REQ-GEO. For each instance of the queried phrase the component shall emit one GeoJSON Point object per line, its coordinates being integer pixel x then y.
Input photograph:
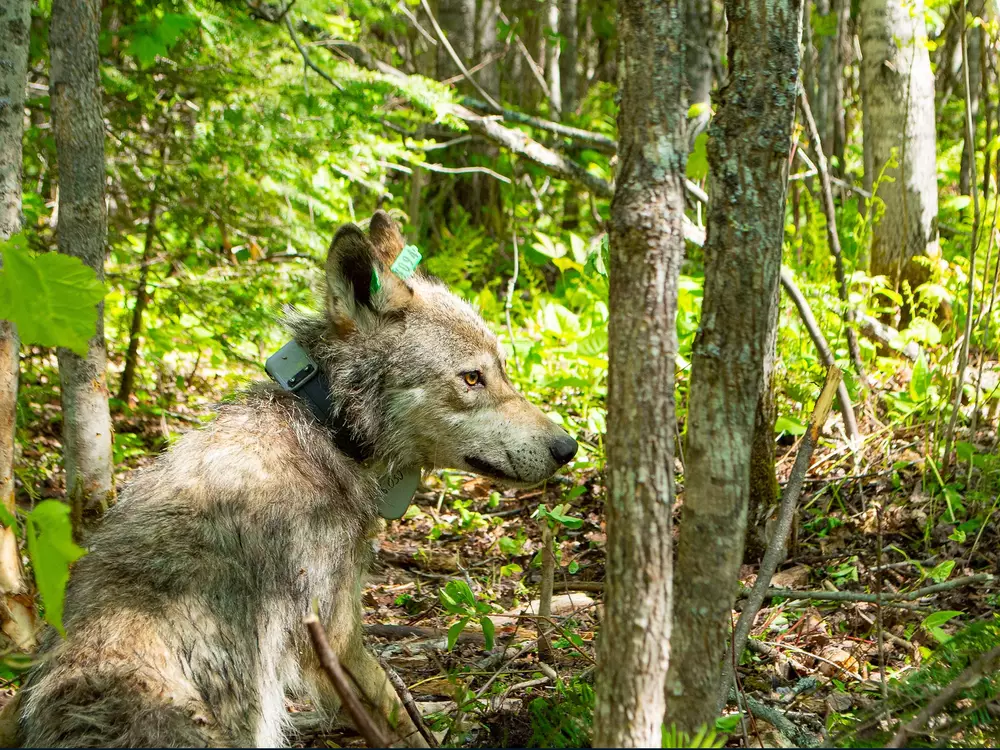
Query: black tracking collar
{"type": "Point", "coordinates": [296, 372]}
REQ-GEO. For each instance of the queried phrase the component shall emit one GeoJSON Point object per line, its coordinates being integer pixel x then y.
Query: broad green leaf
{"type": "Point", "coordinates": [940, 572]}
{"type": "Point", "coordinates": [789, 425]}
{"type": "Point", "coordinates": [578, 247]}
{"type": "Point", "coordinates": [574, 567]}
{"type": "Point", "coordinates": [488, 631]}
{"type": "Point", "coordinates": [52, 550]}
{"type": "Point", "coordinates": [456, 630]}
{"type": "Point", "coordinates": [920, 379]}
{"type": "Point", "coordinates": [937, 619]}
{"type": "Point", "coordinates": [50, 297]}
{"type": "Point", "coordinates": [7, 518]}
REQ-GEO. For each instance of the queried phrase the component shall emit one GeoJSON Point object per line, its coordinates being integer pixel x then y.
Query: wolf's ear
{"type": "Point", "coordinates": [359, 285]}
{"type": "Point", "coordinates": [385, 237]}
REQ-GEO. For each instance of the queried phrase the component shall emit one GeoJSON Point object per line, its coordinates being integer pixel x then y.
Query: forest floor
{"type": "Point", "coordinates": [461, 527]}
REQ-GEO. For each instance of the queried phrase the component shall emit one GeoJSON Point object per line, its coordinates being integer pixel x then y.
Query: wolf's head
{"type": "Point", "coordinates": [418, 375]}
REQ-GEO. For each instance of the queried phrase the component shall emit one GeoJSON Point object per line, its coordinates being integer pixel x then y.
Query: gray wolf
{"type": "Point", "coordinates": [184, 621]}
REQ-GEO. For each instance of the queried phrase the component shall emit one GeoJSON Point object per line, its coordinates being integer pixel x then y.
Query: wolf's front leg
{"type": "Point", "coordinates": [379, 695]}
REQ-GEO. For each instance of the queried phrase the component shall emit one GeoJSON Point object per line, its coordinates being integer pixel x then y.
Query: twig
{"type": "Point", "coordinates": [963, 355]}
{"type": "Point", "coordinates": [825, 355]}
{"type": "Point", "coordinates": [338, 677]}
{"type": "Point", "coordinates": [799, 152]}
{"type": "Point", "coordinates": [903, 596]}
{"type": "Point", "coordinates": [974, 672]}
{"type": "Point", "coordinates": [533, 66]}
{"type": "Point", "coordinates": [834, 238]}
{"type": "Point", "coordinates": [776, 547]}
{"type": "Point", "coordinates": [305, 55]}
{"type": "Point", "coordinates": [454, 56]}
{"type": "Point", "coordinates": [409, 704]}
{"type": "Point", "coordinates": [450, 170]}
{"type": "Point", "coordinates": [401, 6]}
{"type": "Point", "coordinates": [879, 626]}
{"type": "Point", "coordinates": [840, 667]}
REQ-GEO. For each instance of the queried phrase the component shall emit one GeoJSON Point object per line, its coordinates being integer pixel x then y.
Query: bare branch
{"type": "Point", "coordinates": [825, 355]}
{"type": "Point", "coordinates": [776, 548]}
{"type": "Point", "coordinates": [595, 141]}
{"type": "Point", "coordinates": [905, 596]}
{"type": "Point", "coordinates": [834, 237]}
{"type": "Point", "coordinates": [305, 55]}
{"type": "Point", "coordinates": [341, 683]}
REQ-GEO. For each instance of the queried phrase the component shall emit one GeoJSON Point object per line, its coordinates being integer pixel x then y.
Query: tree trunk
{"type": "Point", "coordinates": [17, 615]}
{"type": "Point", "coordinates": [749, 142]}
{"type": "Point", "coordinates": [763, 482]}
{"type": "Point", "coordinates": [79, 135]}
{"type": "Point", "coordinates": [974, 44]}
{"type": "Point", "coordinates": [698, 61]}
{"type": "Point", "coordinates": [141, 301]}
{"type": "Point", "coordinates": [487, 12]}
{"type": "Point", "coordinates": [458, 21]}
{"type": "Point", "coordinates": [569, 33]}
{"type": "Point", "coordinates": [647, 247]}
{"type": "Point", "coordinates": [899, 109]}
{"type": "Point", "coordinates": [552, 57]}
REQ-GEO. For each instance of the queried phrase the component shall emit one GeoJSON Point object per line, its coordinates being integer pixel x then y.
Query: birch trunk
{"type": "Point", "coordinates": [17, 615]}
{"type": "Point", "coordinates": [569, 33]}
{"type": "Point", "coordinates": [78, 127]}
{"type": "Point", "coordinates": [698, 61]}
{"type": "Point", "coordinates": [899, 112]}
{"type": "Point", "coordinates": [647, 247]}
{"type": "Point", "coordinates": [749, 142]}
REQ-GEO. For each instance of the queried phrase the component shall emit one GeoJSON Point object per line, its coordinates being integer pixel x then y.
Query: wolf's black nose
{"type": "Point", "coordinates": [563, 449]}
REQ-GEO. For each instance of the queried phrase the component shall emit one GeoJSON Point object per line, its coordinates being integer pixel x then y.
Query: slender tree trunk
{"type": "Point", "coordinates": [82, 231]}
{"type": "Point", "coordinates": [647, 247]}
{"type": "Point", "coordinates": [899, 108]}
{"type": "Point", "coordinates": [17, 615]}
{"type": "Point", "coordinates": [487, 13]}
{"type": "Point", "coordinates": [698, 61]}
{"type": "Point", "coordinates": [749, 142]}
{"type": "Point", "coordinates": [552, 57]}
{"type": "Point", "coordinates": [569, 32]}
{"type": "Point", "coordinates": [974, 42]}
{"type": "Point", "coordinates": [458, 21]}
{"type": "Point", "coordinates": [141, 301]}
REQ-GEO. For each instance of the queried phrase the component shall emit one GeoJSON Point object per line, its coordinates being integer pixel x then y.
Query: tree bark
{"type": "Point", "coordinates": [552, 57]}
{"type": "Point", "coordinates": [78, 126]}
{"type": "Point", "coordinates": [569, 32]}
{"type": "Point", "coordinates": [899, 112]}
{"type": "Point", "coordinates": [647, 247]}
{"type": "Point", "coordinates": [974, 41]}
{"type": "Point", "coordinates": [698, 61]}
{"type": "Point", "coordinates": [17, 615]}
{"type": "Point", "coordinates": [749, 142]}
{"type": "Point", "coordinates": [458, 20]}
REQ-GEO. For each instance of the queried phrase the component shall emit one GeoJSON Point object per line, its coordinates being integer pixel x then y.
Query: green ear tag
{"type": "Point", "coordinates": [376, 284]}
{"type": "Point", "coordinates": [407, 262]}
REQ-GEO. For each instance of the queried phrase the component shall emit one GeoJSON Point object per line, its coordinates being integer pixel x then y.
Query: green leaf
{"type": "Point", "coordinates": [789, 425]}
{"type": "Point", "coordinates": [920, 380]}
{"type": "Point", "coordinates": [52, 550]}
{"type": "Point", "coordinates": [940, 572]}
{"type": "Point", "coordinates": [50, 297]}
{"type": "Point", "coordinates": [727, 724]}
{"type": "Point", "coordinates": [937, 619]}
{"type": "Point", "coordinates": [697, 166]}
{"type": "Point", "coordinates": [574, 567]}
{"type": "Point", "coordinates": [456, 630]}
{"type": "Point", "coordinates": [510, 570]}
{"type": "Point", "coordinates": [488, 631]}
{"type": "Point", "coordinates": [7, 518]}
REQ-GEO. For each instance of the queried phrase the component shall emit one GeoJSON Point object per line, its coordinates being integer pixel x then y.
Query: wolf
{"type": "Point", "coordinates": [184, 623]}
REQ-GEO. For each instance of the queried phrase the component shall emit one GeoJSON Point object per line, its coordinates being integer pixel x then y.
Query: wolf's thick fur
{"type": "Point", "coordinates": [184, 622]}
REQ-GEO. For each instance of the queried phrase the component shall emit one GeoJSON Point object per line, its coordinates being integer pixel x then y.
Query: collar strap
{"type": "Point", "coordinates": [297, 373]}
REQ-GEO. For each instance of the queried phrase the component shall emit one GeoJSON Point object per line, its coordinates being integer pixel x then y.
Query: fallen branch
{"type": "Point", "coordinates": [399, 632]}
{"type": "Point", "coordinates": [560, 586]}
{"type": "Point", "coordinates": [409, 704]}
{"type": "Point", "coordinates": [341, 683]}
{"type": "Point", "coordinates": [903, 596]}
{"type": "Point", "coordinates": [834, 238]}
{"type": "Point", "coordinates": [800, 737]}
{"type": "Point", "coordinates": [776, 547]}
{"type": "Point", "coordinates": [982, 666]}
{"type": "Point", "coordinates": [825, 355]}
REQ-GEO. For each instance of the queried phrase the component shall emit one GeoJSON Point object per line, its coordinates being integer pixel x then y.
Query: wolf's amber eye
{"type": "Point", "coordinates": [472, 378]}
